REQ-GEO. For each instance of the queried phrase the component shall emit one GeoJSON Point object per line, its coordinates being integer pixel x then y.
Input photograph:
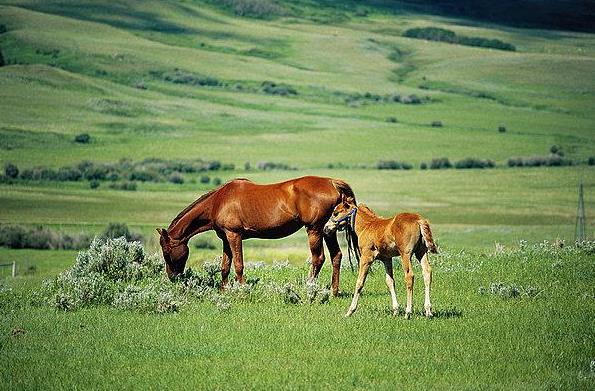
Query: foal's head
{"type": "Point", "coordinates": [342, 216]}
{"type": "Point", "coordinates": [175, 253]}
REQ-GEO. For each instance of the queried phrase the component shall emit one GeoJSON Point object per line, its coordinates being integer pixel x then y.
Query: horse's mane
{"type": "Point", "coordinates": [198, 201]}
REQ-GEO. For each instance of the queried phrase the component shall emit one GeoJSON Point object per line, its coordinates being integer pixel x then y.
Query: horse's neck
{"type": "Point", "coordinates": [196, 220]}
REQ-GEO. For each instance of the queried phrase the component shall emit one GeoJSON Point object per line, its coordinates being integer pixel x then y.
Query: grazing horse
{"type": "Point", "coordinates": [378, 238]}
{"type": "Point", "coordinates": [241, 209]}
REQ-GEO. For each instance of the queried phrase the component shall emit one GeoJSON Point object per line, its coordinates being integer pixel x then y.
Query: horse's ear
{"type": "Point", "coordinates": [163, 233]}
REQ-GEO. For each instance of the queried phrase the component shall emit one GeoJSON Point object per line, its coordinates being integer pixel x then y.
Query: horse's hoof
{"type": "Point", "coordinates": [348, 314]}
{"type": "Point", "coordinates": [408, 315]}
{"type": "Point", "coordinates": [395, 311]}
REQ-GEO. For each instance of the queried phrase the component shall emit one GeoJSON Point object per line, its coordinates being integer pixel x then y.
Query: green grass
{"type": "Point", "coordinates": [475, 341]}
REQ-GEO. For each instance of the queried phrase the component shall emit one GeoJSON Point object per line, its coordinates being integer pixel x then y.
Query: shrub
{"type": "Point", "coordinates": [117, 230]}
{"type": "Point", "coordinates": [391, 119]}
{"type": "Point", "coordinates": [2, 62]}
{"type": "Point", "coordinates": [475, 163]}
{"type": "Point", "coordinates": [11, 170]}
{"type": "Point", "coordinates": [181, 77]}
{"type": "Point", "coordinates": [260, 9]}
{"type": "Point", "coordinates": [204, 242]}
{"type": "Point", "coordinates": [69, 174]}
{"type": "Point", "coordinates": [423, 166]}
{"type": "Point", "coordinates": [273, 166]}
{"type": "Point", "coordinates": [440, 163]}
{"type": "Point", "coordinates": [176, 178]}
{"type": "Point", "coordinates": [83, 138]}
{"type": "Point", "coordinates": [94, 184]}
{"type": "Point", "coordinates": [272, 88]}
{"type": "Point", "coordinates": [217, 181]}
{"type": "Point", "coordinates": [591, 161]}
{"type": "Point", "coordinates": [3, 28]}
{"type": "Point", "coordinates": [205, 179]}
{"type": "Point", "coordinates": [393, 165]}
{"type": "Point", "coordinates": [436, 124]}
{"type": "Point", "coordinates": [502, 129]}
{"type": "Point", "coordinates": [556, 150]}
{"type": "Point", "coordinates": [538, 161]}
{"type": "Point", "coordinates": [17, 236]}
{"type": "Point", "coordinates": [444, 35]}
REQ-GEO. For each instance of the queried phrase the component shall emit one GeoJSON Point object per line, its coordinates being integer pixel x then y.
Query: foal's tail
{"type": "Point", "coordinates": [426, 234]}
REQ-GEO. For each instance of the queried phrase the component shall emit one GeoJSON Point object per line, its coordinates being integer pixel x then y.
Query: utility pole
{"type": "Point", "coordinates": [580, 216]}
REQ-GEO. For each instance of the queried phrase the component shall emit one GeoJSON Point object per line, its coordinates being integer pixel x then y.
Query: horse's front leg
{"type": "Point", "coordinates": [235, 245]}
{"type": "Point", "coordinates": [316, 250]}
{"type": "Point", "coordinates": [364, 266]}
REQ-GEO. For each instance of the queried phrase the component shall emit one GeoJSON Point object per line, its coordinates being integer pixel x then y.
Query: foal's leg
{"type": "Point", "coordinates": [427, 271]}
{"type": "Point", "coordinates": [317, 251]}
{"type": "Point", "coordinates": [235, 243]}
{"type": "Point", "coordinates": [364, 267]}
{"type": "Point", "coordinates": [408, 270]}
{"type": "Point", "coordinates": [335, 252]}
{"type": "Point", "coordinates": [390, 283]}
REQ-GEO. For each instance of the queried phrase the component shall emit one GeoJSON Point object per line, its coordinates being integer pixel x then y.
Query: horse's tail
{"type": "Point", "coordinates": [344, 189]}
{"type": "Point", "coordinates": [426, 234]}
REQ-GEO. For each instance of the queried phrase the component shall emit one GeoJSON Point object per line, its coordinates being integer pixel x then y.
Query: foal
{"type": "Point", "coordinates": [378, 238]}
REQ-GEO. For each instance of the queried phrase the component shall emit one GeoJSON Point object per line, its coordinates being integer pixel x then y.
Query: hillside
{"type": "Point", "coordinates": [185, 80]}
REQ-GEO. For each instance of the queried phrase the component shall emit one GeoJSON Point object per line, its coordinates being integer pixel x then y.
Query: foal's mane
{"type": "Point", "coordinates": [198, 201]}
{"type": "Point", "coordinates": [364, 208]}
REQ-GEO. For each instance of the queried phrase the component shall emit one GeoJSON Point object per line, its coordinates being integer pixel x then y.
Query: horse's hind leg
{"type": "Point", "coordinates": [225, 261]}
{"type": "Point", "coordinates": [235, 243]}
{"type": "Point", "coordinates": [335, 252]}
{"type": "Point", "coordinates": [390, 284]}
{"type": "Point", "coordinates": [316, 250]}
{"type": "Point", "coordinates": [408, 270]}
{"type": "Point", "coordinates": [427, 271]}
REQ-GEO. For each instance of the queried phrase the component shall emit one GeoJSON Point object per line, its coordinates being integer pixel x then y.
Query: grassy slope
{"type": "Point", "coordinates": [542, 98]}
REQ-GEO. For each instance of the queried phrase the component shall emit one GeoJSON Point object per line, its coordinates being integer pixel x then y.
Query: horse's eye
{"type": "Point", "coordinates": [335, 214]}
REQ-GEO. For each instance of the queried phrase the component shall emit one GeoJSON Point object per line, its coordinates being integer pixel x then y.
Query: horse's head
{"type": "Point", "coordinates": [342, 216]}
{"type": "Point", "coordinates": [175, 254]}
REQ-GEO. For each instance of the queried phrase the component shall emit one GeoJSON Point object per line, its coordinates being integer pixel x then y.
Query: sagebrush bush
{"type": "Point", "coordinates": [116, 230]}
{"type": "Point", "coordinates": [11, 170]}
{"type": "Point", "coordinates": [83, 138]}
{"type": "Point", "coordinates": [393, 165]}
{"type": "Point", "coordinates": [41, 238]}
{"type": "Point", "coordinates": [439, 163]}
{"type": "Point", "coordinates": [475, 163]}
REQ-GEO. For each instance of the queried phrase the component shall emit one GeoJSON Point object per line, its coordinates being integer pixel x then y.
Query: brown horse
{"type": "Point", "coordinates": [378, 238]}
{"type": "Point", "coordinates": [241, 209]}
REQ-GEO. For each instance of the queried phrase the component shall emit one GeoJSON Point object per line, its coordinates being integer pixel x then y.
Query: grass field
{"type": "Point", "coordinates": [129, 74]}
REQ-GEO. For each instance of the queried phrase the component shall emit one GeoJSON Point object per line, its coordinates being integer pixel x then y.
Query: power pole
{"type": "Point", "coordinates": [580, 216]}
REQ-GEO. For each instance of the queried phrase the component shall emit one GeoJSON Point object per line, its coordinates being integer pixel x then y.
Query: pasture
{"type": "Point", "coordinates": [318, 89]}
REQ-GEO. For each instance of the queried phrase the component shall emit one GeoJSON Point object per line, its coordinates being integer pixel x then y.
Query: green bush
{"type": "Point", "coordinates": [259, 9]}
{"type": "Point", "coordinates": [117, 230]}
{"type": "Point", "coordinates": [591, 161]}
{"type": "Point", "coordinates": [440, 163]}
{"type": "Point", "coordinates": [205, 179]}
{"type": "Point", "coordinates": [553, 160]}
{"type": "Point", "coordinates": [393, 165]}
{"type": "Point", "coordinates": [11, 170]}
{"type": "Point", "coordinates": [176, 178]}
{"type": "Point", "coordinates": [94, 184]}
{"type": "Point", "coordinates": [181, 77]}
{"type": "Point", "coordinates": [83, 138]}
{"type": "Point", "coordinates": [272, 88]}
{"type": "Point", "coordinates": [444, 35]}
{"type": "Point", "coordinates": [436, 124]}
{"type": "Point", "coordinates": [41, 238]}
{"type": "Point", "coordinates": [204, 242]}
{"type": "Point", "coordinates": [475, 163]}
{"type": "Point", "coordinates": [502, 129]}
